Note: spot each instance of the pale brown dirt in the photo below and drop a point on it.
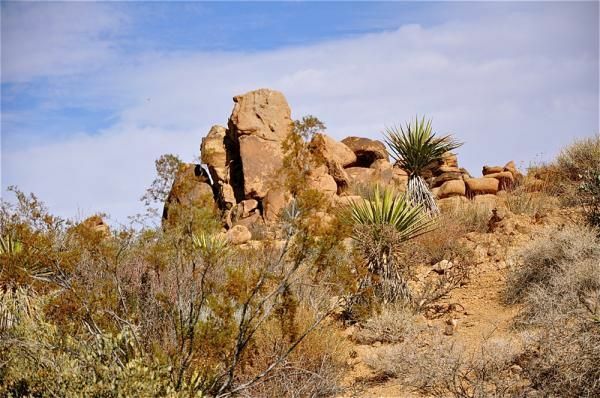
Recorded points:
(480, 312)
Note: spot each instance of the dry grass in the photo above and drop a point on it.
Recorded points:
(314, 368)
(555, 252)
(441, 368)
(392, 325)
(558, 285)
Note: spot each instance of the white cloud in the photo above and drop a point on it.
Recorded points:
(511, 85)
(41, 40)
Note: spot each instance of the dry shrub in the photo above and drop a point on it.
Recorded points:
(442, 368)
(313, 369)
(562, 178)
(534, 204)
(442, 242)
(559, 287)
(554, 251)
(579, 158)
(392, 325)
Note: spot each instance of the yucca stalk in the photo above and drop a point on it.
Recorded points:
(415, 147)
(382, 221)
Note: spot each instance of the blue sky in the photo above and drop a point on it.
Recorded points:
(92, 93)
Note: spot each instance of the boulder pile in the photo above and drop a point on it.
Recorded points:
(242, 165)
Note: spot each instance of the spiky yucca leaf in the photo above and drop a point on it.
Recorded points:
(415, 146)
(385, 207)
(210, 246)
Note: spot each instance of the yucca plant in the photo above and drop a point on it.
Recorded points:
(383, 221)
(414, 147)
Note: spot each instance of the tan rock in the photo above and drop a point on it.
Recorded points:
(481, 186)
(214, 154)
(260, 121)
(505, 178)
(331, 151)
(261, 164)
(273, 203)
(447, 169)
(452, 188)
(248, 206)
(250, 221)
(492, 170)
(96, 223)
(262, 113)
(366, 150)
(449, 159)
(238, 235)
(321, 181)
(225, 195)
(447, 176)
(362, 176)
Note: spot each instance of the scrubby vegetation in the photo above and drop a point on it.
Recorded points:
(178, 311)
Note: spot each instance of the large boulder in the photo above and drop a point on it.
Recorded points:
(452, 188)
(331, 151)
(238, 235)
(366, 150)
(481, 186)
(512, 168)
(505, 179)
(260, 121)
(492, 170)
(214, 153)
(96, 223)
(261, 113)
(320, 180)
(274, 203)
(362, 176)
(191, 189)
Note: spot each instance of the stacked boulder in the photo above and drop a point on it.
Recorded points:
(245, 159)
(242, 168)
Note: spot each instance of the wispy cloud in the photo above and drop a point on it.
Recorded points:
(512, 84)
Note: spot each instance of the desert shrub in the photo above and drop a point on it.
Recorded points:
(576, 166)
(554, 252)
(442, 368)
(534, 204)
(590, 197)
(313, 369)
(40, 360)
(559, 288)
(579, 158)
(393, 324)
(194, 305)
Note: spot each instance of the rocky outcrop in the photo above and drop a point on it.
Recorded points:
(366, 150)
(259, 123)
(245, 177)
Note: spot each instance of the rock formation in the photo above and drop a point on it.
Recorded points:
(245, 175)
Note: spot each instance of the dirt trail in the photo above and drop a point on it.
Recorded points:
(480, 311)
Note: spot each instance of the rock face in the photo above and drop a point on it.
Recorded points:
(260, 121)
(214, 153)
(191, 188)
(366, 150)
